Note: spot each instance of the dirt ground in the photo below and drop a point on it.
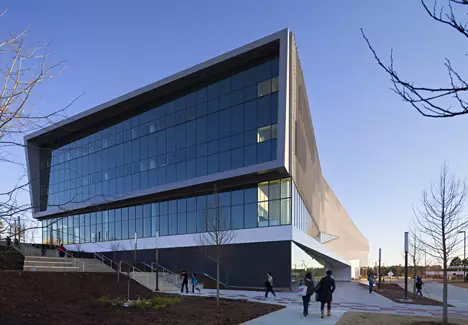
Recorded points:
(394, 292)
(352, 318)
(459, 284)
(70, 299)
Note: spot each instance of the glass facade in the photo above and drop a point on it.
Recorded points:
(301, 216)
(229, 124)
(265, 205)
(302, 262)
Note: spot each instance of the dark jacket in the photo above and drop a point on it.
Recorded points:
(419, 285)
(309, 283)
(325, 289)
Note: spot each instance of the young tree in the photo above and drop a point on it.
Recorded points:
(439, 221)
(444, 100)
(217, 236)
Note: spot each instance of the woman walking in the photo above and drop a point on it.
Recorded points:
(195, 283)
(309, 287)
(269, 285)
(324, 291)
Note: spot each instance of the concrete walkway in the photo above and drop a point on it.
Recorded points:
(349, 296)
(457, 296)
(292, 316)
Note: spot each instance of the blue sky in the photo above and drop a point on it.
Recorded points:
(376, 152)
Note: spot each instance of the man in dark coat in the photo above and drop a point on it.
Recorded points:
(309, 284)
(324, 291)
(184, 277)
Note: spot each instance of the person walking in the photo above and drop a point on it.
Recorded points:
(61, 250)
(269, 285)
(43, 250)
(419, 286)
(309, 287)
(324, 291)
(195, 283)
(184, 277)
(371, 280)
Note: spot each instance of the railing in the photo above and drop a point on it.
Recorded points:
(132, 273)
(214, 279)
(103, 259)
(167, 275)
(77, 263)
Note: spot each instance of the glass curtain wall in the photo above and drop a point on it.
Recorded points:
(227, 125)
(266, 205)
(301, 216)
(302, 262)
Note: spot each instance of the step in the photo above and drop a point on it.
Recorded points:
(46, 258)
(51, 269)
(44, 263)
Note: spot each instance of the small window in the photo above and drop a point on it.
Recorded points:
(264, 88)
(274, 84)
(274, 131)
(264, 134)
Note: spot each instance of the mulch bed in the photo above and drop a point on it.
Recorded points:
(44, 298)
(394, 292)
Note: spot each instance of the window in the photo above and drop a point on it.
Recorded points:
(274, 212)
(182, 223)
(164, 225)
(264, 133)
(264, 88)
(286, 211)
(285, 188)
(237, 217)
(250, 215)
(201, 220)
(191, 222)
(274, 84)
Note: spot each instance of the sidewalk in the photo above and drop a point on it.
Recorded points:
(348, 297)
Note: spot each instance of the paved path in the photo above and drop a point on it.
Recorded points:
(349, 296)
(457, 296)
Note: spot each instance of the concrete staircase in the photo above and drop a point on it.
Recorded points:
(94, 265)
(49, 264)
(60, 264)
(167, 281)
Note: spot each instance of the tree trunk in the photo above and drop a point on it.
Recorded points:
(445, 295)
(217, 281)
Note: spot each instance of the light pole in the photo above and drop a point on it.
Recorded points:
(464, 254)
(157, 260)
(380, 260)
(406, 265)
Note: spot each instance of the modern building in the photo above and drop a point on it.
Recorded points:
(231, 138)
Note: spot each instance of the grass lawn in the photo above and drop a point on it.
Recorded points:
(351, 318)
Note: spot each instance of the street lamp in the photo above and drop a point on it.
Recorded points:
(464, 254)
(406, 265)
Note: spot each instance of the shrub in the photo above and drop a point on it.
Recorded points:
(109, 301)
(158, 302)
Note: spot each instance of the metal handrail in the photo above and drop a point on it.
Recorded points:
(213, 279)
(75, 260)
(132, 274)
(162, 267)
(103, 257)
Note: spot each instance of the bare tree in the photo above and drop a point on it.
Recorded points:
(217, 236)
(447, 100)
(22, 69)
(439, 221)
